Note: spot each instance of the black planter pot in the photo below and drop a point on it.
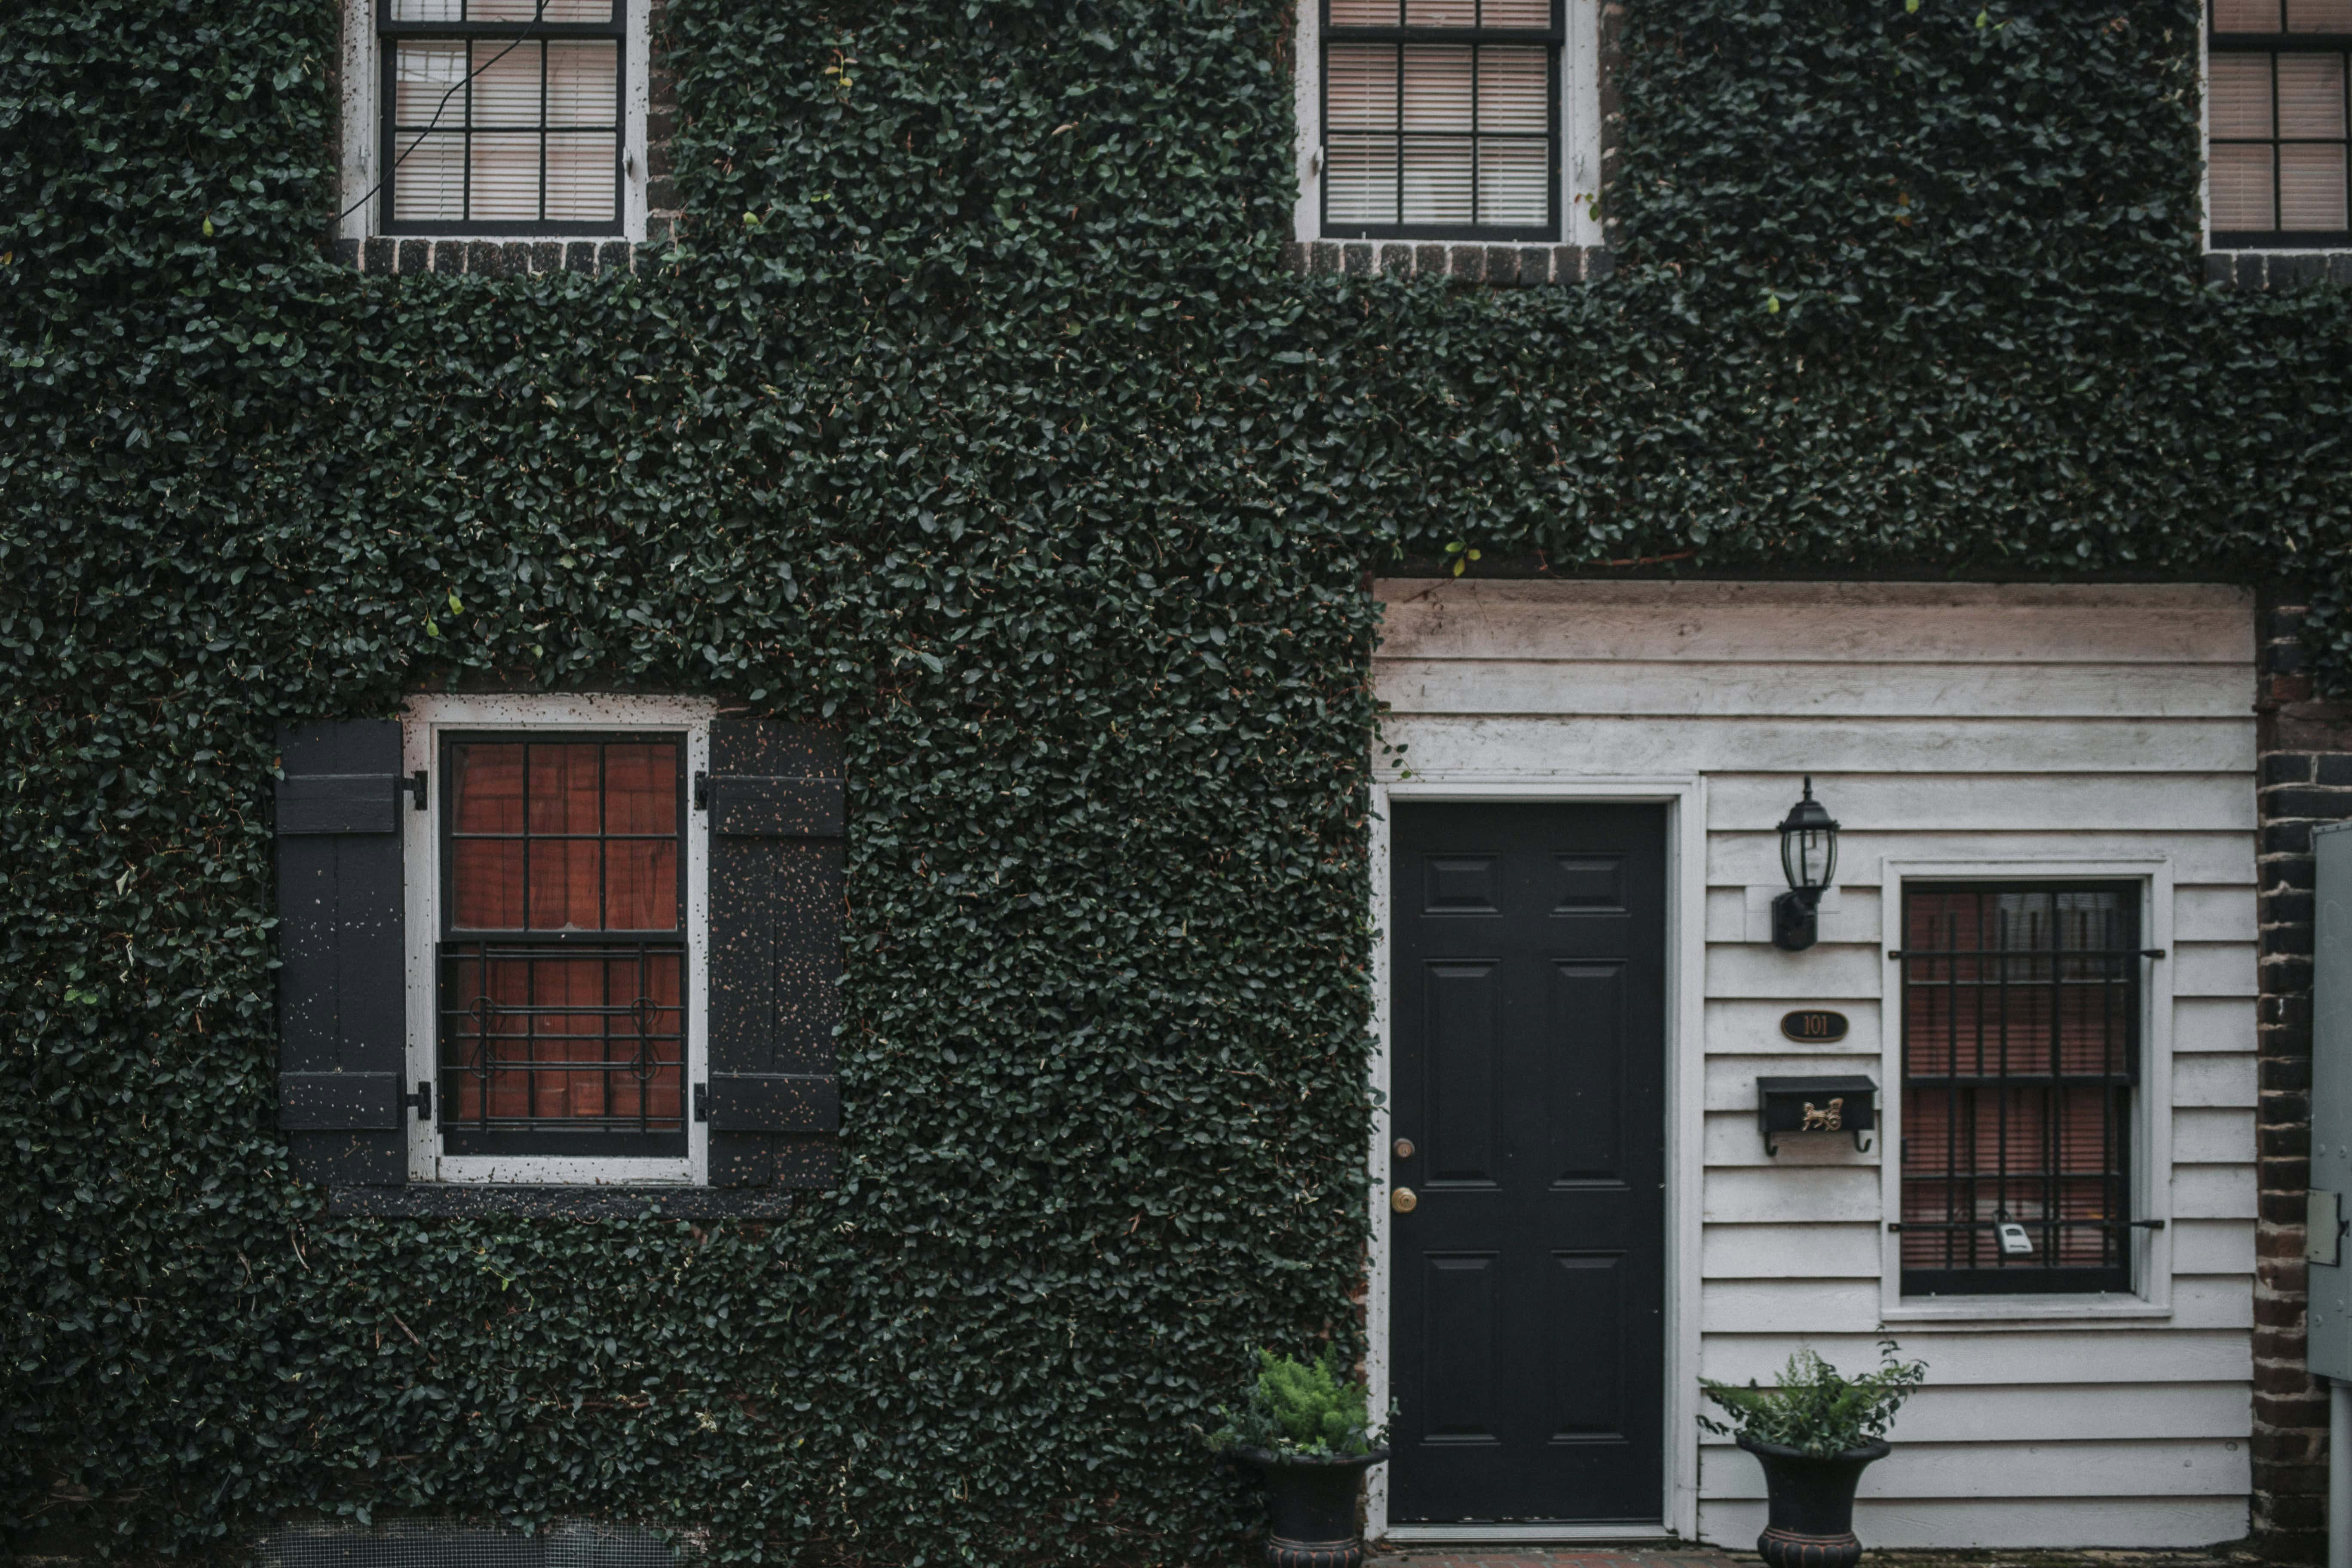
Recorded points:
(1311, 1506)
(1810, 1523)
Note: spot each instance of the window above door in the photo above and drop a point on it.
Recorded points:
(1449, 119)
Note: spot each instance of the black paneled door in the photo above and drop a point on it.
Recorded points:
(1528, 1075)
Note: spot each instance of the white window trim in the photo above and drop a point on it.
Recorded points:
(362, 59)
(422, 721)
(1579, 127)
(2152, 1164)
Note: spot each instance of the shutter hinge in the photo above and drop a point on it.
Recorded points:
(414, 784)
(702, 791)
(702, 1102)
(421, 1100)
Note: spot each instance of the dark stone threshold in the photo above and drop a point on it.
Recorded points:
(1492, 266)
(453, 1200)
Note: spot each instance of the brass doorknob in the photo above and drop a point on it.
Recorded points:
(1402, 1200)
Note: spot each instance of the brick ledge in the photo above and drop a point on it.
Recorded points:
(1495, 266)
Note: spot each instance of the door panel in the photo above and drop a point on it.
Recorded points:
(1529, 1071)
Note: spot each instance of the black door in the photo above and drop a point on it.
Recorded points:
(1528, 1076)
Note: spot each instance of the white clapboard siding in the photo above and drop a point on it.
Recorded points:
(1741, 803)
(1744, 858)
(1666, 744)
(1738, 1025)
(2042, 1414)
(2212, 1080)
(1807, 623)
(1966, 724)
(1892, 690)
(2008, 1356)
(2010, 1522)
(1769, 1252)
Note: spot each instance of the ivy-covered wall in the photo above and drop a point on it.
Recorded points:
(978, 413)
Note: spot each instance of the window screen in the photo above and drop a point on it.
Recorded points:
(2277, 119)
(562, 963)
(502, 116)
(2021, 1012)
(1441, 118)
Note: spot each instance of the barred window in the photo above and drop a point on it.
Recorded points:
(1441, 118)
(2020, 1018)
(2276, 118)
(502, 116)
(562, 968)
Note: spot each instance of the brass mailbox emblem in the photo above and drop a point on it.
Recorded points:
(1820, 1119)
(1402, 1201)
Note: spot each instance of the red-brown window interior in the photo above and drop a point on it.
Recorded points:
(562, 968)
(2019, 1037)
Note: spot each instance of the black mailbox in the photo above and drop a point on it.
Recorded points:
(1816, 1105)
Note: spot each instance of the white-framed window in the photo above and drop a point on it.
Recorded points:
(1449, 119)
(2027, 1090)
(494, 119)
(2278, 123)
(557, 930)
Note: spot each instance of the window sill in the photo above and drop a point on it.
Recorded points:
(405, 257)
(2276, 269)
(1495, 266)
(2023, 1309)
(453, 1200)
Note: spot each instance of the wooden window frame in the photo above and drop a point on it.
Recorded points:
(428, 722)
(2150, 1136)
(1555, 40)
(2274, 45)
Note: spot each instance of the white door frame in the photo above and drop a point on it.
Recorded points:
(1684, 795)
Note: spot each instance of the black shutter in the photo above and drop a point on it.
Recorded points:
(776, 800)
(342, 992)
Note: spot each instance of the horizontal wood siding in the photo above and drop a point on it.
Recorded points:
(1940, 723)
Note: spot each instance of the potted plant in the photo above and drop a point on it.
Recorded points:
(1305, 1428)
(1814, 1435)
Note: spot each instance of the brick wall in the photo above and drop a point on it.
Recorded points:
(2307, 778)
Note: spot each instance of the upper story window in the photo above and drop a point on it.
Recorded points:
(2021, 1020)
(1441, 118)
(2276, 117)
(501, 116)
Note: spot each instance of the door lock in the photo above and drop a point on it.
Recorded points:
(1402, 1200)
(1405, 1148)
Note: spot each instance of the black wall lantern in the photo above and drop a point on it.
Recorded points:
(1809, 859)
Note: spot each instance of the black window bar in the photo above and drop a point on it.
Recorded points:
(2021, 1019)
(508, 1078)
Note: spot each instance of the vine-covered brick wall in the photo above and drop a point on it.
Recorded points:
(978, 411)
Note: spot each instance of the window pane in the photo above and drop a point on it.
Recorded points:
(486, 882)
(1513, 182)
(641, 884)
(424, 76)
(2240, 182)
(566, 786)
(641, 788)
(1360, 179)
(1514, 89)
(2319, 15)
(1516, 14)
(1436, 88)
(505, 168)
(486, 788)
(1365, 12)
(1436, 180)
(581, 178)
(506, 84)
(1440, 12)
(428, 10)
(2311, 95)
(2240, 95)
(555, 11)
(583, 80)
(566, 884)
(2311, 186)
(1360, 87)
(2246, 15)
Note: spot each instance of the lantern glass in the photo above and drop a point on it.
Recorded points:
(1809, 857)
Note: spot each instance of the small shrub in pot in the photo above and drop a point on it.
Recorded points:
(1308, 1431)
(1814, 1435)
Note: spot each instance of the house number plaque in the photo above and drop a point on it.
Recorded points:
(1813, 1027)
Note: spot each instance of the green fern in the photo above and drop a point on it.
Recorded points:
(1816, 1407)
(1305, 1408)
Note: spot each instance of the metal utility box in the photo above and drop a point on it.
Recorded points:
(2330, 1200)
